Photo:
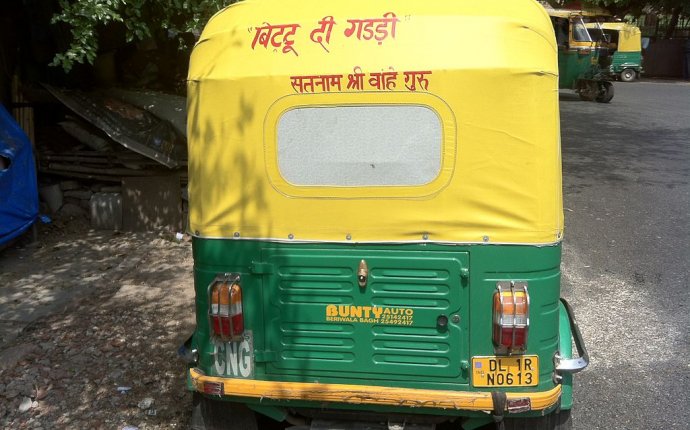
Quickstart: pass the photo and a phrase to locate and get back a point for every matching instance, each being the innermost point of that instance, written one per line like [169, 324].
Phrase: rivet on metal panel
[455, 318]
[291, 236]
[485, 238]
[236, 234]
[425, 236]
[348, 237]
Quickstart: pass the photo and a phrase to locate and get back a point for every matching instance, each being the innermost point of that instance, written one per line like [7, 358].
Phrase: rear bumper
[370, 395]
[574, 364]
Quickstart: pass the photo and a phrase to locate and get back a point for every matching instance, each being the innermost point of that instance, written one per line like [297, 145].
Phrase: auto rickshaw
[376, 210]
[583, 64]
[624, 42]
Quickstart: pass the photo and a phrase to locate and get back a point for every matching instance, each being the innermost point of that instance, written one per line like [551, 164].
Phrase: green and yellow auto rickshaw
[583, 64]
[624, 43]
[376, 209]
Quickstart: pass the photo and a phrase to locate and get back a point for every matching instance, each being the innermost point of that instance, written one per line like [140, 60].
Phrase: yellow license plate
[519, 371]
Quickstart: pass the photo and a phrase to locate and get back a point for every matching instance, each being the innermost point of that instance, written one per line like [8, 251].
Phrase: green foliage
[83, 17]
[672, 9]
[141, 19]
[633, 7]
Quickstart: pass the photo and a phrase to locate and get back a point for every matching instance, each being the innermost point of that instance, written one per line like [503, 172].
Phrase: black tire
[605, 92]
[210, 414]
[554, 421]
[586, 96]
[628, 75]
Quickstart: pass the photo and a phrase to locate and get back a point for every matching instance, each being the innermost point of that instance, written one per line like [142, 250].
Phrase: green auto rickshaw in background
[624, 43]
[377, 220]
[583, 64]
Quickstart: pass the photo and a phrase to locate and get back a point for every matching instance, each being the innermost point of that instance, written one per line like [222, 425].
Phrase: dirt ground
[90, 323]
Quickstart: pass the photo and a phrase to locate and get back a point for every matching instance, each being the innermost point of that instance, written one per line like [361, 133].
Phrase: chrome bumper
[572, 365]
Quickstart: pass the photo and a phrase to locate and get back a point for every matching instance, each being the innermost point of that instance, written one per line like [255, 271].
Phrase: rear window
[359, 146]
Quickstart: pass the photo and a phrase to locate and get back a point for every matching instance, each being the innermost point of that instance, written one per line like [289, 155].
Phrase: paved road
[626, 256]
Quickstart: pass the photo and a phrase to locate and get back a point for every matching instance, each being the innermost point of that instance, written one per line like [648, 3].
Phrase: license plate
[522, 371]
[235, 359]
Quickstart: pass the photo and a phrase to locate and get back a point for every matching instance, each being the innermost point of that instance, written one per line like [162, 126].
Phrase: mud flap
[499, 399]
[188, 354]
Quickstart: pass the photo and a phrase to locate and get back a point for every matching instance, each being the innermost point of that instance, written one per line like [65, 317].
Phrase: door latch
[362, 274]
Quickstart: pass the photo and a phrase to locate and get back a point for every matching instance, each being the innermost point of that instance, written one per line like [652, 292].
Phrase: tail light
[225, 308]
[511, 317]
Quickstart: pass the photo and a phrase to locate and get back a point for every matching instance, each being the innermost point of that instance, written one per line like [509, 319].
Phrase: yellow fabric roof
[567, 13]
[487, 69]
[629, 36]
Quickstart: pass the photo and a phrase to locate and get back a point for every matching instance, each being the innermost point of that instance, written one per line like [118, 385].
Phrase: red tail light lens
[511, 317]
[225, 308]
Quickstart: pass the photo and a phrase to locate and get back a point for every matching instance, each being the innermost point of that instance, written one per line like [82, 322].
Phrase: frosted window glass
[360, 146]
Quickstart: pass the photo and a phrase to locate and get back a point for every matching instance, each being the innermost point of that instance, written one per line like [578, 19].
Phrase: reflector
[213, 388]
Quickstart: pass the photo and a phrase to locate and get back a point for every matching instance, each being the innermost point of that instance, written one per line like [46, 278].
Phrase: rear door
[407, 323]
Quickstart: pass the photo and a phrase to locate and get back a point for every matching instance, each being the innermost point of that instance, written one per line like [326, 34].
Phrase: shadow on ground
[101, 316]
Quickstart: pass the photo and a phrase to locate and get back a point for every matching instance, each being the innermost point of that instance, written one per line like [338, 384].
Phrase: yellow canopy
[629, 36]
[478, 81]
[572, 13]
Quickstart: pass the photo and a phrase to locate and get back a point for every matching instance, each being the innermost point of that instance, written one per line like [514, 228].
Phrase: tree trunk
[675, 15]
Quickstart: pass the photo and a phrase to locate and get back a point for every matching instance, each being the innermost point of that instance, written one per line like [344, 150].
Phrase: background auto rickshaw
[582, 63]
[377, 220]
[623, 42]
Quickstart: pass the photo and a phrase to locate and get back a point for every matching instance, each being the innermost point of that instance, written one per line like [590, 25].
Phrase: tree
[620, 8]
[141, 19]
[675, 8]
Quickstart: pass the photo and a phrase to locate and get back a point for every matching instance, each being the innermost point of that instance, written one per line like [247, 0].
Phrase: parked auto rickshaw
[583, 64]
[377, 220]
[624, 43]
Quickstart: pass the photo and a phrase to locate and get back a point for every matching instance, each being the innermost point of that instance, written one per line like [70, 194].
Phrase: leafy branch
[141, 18]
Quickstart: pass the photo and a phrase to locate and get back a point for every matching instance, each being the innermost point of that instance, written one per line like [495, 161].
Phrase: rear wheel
[605, 92]
[628, 75]
[554, 421]
[586, 96]
[587, 89]
[210, 414]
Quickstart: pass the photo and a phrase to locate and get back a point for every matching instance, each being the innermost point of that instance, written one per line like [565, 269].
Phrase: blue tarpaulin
[18, 189]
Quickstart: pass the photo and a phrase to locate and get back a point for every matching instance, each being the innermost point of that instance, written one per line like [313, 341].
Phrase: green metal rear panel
[287, 287]
[305, 282]
[572, 65]
[626, 60]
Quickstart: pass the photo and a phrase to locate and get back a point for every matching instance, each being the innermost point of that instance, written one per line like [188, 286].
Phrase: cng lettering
[234, 359]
